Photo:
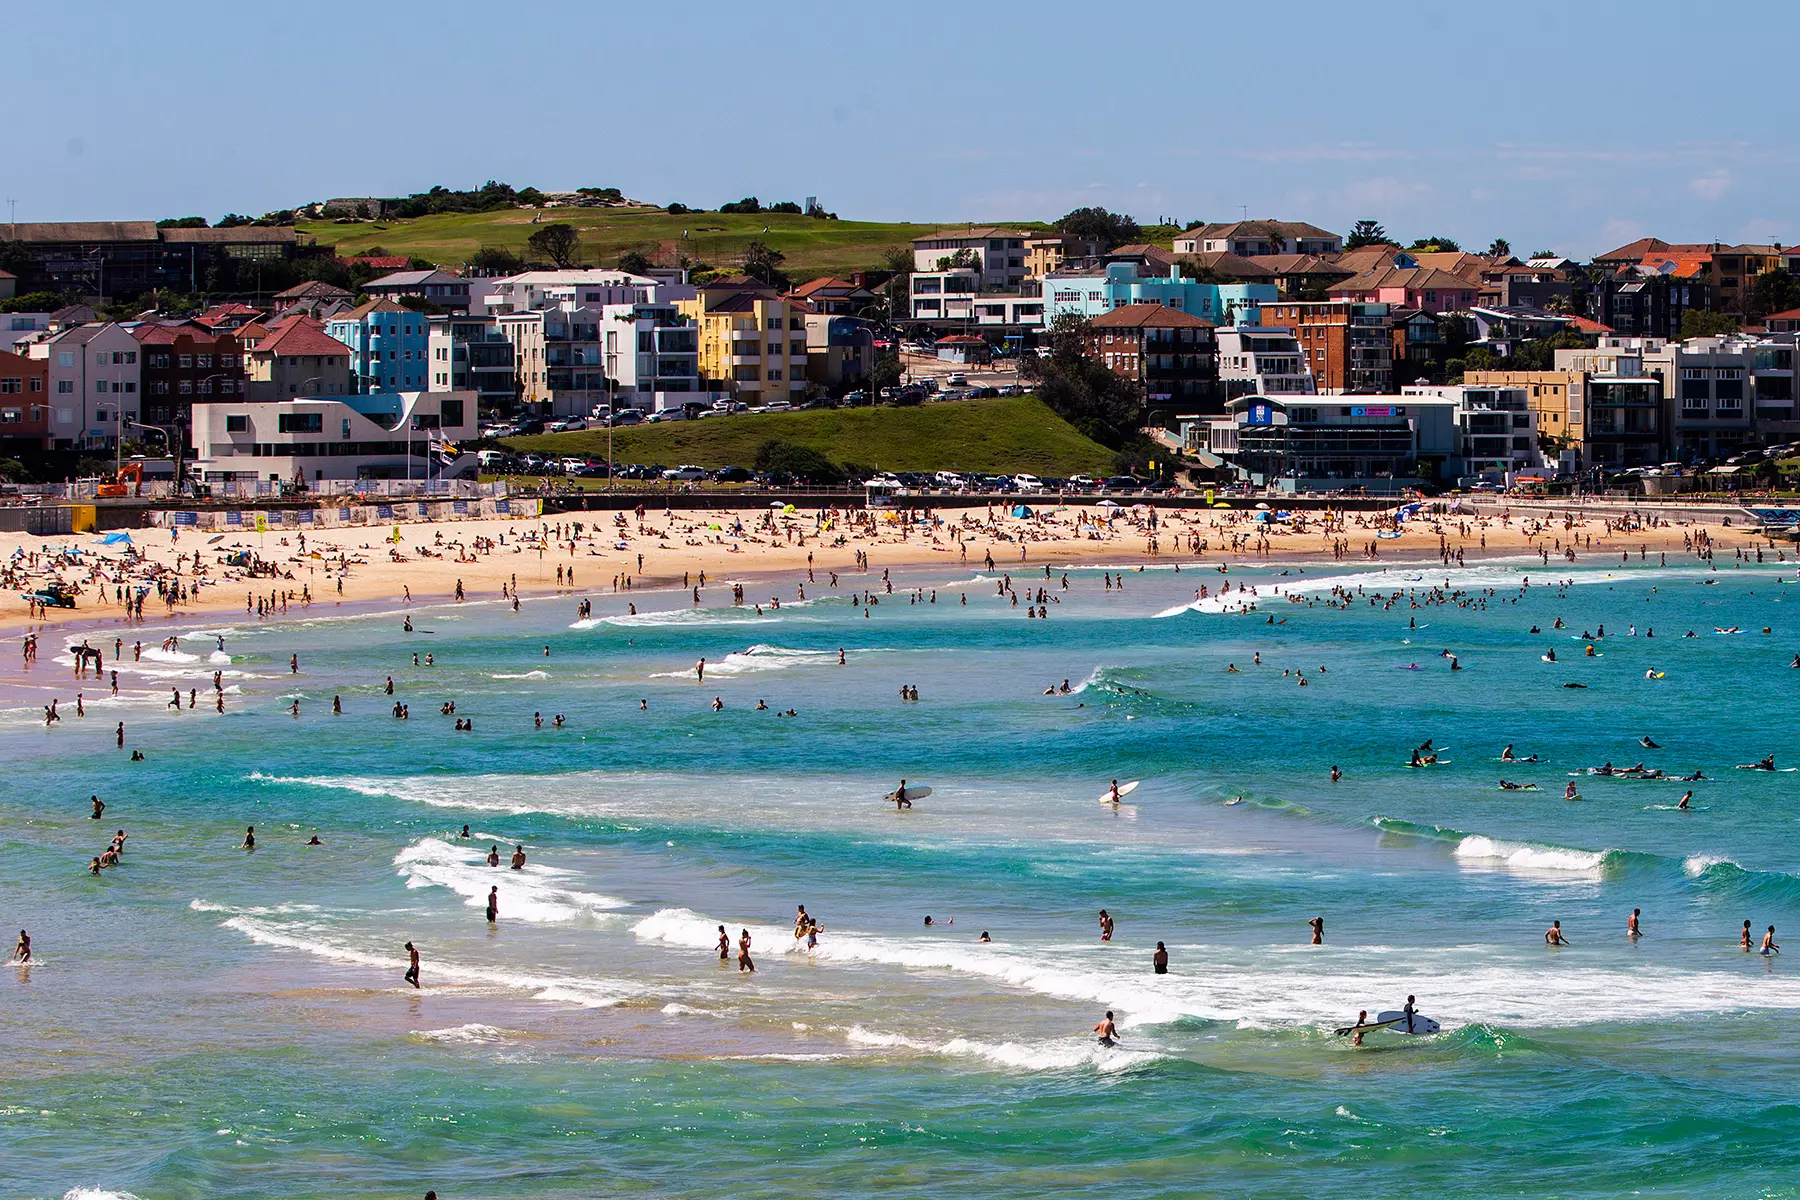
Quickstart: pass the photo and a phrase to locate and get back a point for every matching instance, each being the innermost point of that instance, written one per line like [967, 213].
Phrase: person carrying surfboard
[898, 796]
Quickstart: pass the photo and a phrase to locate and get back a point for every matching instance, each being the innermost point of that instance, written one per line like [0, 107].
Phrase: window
[65, 358]
[100, 386]
[774, 349]
[203, 361]
[300, 423]
[185, 361]
[65, 387]
[186, 387]
[11, 387]
[452, 412]
[237, 423]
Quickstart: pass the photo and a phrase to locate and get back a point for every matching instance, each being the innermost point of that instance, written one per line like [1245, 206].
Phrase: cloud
[1712, 185]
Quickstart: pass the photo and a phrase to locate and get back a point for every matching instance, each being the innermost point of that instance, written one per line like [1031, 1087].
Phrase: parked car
[688, 473]
[1083, 483]
[955, 394]
[1124, 483]
[1027, 483]
[1012, 389]
[490, 459]
[668, 414]
[731, 475]
[567, 424]
[627, 416]
[956, 379]
[859, 396]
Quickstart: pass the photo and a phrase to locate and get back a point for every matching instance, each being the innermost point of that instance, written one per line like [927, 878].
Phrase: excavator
[131, 474]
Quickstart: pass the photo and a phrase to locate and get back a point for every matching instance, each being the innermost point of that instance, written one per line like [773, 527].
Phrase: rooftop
[1148, 316]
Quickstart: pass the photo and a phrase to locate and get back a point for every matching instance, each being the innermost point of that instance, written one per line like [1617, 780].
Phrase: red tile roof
[1148, 316]
[381, 262]
[300, 336]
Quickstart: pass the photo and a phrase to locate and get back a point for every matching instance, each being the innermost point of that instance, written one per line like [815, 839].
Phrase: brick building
[24, 402]
[1173, 354]
[184, 362]
[1348, 344]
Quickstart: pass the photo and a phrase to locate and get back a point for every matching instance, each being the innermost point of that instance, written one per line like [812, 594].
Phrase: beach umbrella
[1108, 504]
[1261, 505]
[777, 504]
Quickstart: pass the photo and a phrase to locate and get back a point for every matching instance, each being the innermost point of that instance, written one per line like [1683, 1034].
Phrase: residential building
[752, 342]
[833, 296]
[1643, 301]
[1496, 429]
[1728, 272]
[305, 439]
[315, 299]
[558, 352]
[1149, 260]
[24, 403]
[1399, 281]
[1376, 444]
[1299, 276]
[1174, 355]
[1417, 342]
[222, 318]
[17, 328]
[379, 262]
[1513, 284]
[470, 352]
[1049, 252]
[9, 285]
[1221, 262]
[447, 292]
[581, 287]
[183, 363]
[1347, 343]
[840, 350]
[388, 346]
[1262, 360]
[1721, 391]
[1249, 238]
[1502, 329]
[955, 298]
[1624, 421]
[652, 351]
[1781, 322]
[92, 382]
[111, 259]
[1088, 293]
[1557, 400]
[997, 256]
[295, 357]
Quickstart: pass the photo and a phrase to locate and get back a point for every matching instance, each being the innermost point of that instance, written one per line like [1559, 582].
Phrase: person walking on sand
[412, 970]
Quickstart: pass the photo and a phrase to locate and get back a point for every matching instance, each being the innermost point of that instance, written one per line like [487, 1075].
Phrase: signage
[384, 512]
[185, 518]
[1260, 414]
[1377, 410]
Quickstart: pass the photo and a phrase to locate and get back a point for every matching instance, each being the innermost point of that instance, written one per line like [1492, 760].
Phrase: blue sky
[1573, 126]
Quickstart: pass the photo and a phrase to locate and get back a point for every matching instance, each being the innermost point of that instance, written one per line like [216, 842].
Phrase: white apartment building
[998, 254]
[1496, 428]
[650, 351]
[379, 435]
[581, 288]
[93, 385]
[1263, 361]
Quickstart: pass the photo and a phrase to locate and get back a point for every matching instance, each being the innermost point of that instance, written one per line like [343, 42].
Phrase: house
[222, 318]
[833, 296]
[752, 342]
[384, 435]
[388, 346]
[379, 262]
[1174, 355]
[441, 289]
[997, 256]
[577, 287]
[1728, 272]
[1346, 342]
[296, 357]
[183, 363]
[1299, 276]
[1522, 285]
[840, 350]
[1088, 292]
[92, 382]
[24, 402]
[1502, 329]
[1428, 289]
[314, 298]
[1149, 259]
[1250, 238]
[470, 353]
[1259, 360]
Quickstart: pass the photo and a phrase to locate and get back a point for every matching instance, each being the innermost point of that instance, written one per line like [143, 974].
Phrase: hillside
[1004, 435]
[813, 247]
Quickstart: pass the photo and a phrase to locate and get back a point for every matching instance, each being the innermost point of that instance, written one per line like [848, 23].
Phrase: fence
[332, 516]
[162, 489]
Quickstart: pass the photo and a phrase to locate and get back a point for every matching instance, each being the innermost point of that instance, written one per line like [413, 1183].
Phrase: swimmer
[1109, 1032]
[1744, 938]
[314, 839]
[518, 858]
[465, 832]
[744, 961]
[1686, 796]
[1335, 773]
[985, 938]
[1553, 936]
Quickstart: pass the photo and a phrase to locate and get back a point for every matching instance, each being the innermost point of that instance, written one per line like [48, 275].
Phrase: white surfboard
[1420, 1024]
[1125, 789]
[912, 793]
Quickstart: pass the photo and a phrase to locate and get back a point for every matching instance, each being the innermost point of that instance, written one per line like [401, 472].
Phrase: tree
[897, 291]
[675, 208]
[233, 220]
[801, 461]
[1699, 323]
[33, 302]
[1366, 233]
[1499, 248]
[764, 262]
[1772, 292]
[1543, 254]
[964, 259]
[886, 372]
[1199, 272]
[557, 242]
[1097, 224]
[1434, 245]
[496, 260]
[634, 262]
[749, 204]
[182, 223]
[1083, 391]
[785, 206]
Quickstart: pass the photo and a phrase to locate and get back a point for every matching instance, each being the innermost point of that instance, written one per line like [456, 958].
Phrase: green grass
[812, 247]
[1008, 434]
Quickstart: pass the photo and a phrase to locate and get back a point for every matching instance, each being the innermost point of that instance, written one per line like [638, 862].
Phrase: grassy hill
[1008, 434]
[813, 247]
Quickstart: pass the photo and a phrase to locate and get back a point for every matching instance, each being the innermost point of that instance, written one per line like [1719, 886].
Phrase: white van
[1028, 483]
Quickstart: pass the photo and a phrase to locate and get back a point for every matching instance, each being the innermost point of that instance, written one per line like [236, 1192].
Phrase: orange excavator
[131, 474]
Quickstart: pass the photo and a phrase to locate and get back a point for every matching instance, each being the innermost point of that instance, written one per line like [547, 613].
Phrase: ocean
[203, 1021]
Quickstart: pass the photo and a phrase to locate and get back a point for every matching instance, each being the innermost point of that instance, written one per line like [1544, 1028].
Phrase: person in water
[1317, 925]
[493, 904]
[518, 858]
[493, 858]
[1631, 925]
[1107, 1031]
[249, 842]
[412, 970]
[724, 945]
[1768, 943]
[1744, 938]
[744, 962]
[1106, 926]
[1553, 936]
[22, 949]
[1159, 962]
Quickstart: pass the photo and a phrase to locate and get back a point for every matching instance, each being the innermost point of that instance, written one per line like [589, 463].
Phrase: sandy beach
[588, 554]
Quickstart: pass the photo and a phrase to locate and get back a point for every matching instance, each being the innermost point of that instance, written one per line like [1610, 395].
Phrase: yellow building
[1048, 252]
[752, 342]
[1557, 397]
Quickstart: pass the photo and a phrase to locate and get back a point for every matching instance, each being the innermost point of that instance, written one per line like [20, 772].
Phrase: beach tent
[1019, 510]
[116, 539]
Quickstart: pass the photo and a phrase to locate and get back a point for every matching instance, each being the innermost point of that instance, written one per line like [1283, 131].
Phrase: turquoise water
[204, 1022]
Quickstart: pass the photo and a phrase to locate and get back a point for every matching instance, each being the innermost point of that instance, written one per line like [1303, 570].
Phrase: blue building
[1090, 293]
[389, 346]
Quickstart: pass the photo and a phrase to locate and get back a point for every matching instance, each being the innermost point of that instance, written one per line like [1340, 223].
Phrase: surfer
[801, 921]
[1159, 962]
[1631, 925]
[493, 904]
[1409, 1011]
[898, 796]
[412, 970]
[1317, 925]
[1112, 794]
[1109, 1032]
[1506, 755]
[1683, 802]
[1553, 936]
[1569, 793]
[1648, 743]
[1362, 1018]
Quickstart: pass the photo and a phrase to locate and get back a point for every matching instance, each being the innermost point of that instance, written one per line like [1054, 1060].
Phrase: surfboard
[912, 793]
[1421, 1025]
[1125, 789]
[1366, 1027]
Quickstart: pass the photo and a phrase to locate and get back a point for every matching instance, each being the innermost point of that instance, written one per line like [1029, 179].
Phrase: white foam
[1696, 865]
[522, 675]
[535, 893]
[94, 1193]
[585, 623]
[692, 616]
[759, 658]
[1062, 1054]
[1525, 856]
[470, 1034]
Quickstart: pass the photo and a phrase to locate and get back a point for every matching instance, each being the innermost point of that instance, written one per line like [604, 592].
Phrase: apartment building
[956, 298]
[1347, 343]
[651, 351]
[560, 358]
[1256, 360]
[1557, 400]
[1425, 288]
[581, 287]
[840, 350]
[183, 363]
[1090, 292]
[24, 402]
[1720, 389]
[1250, 238]
[388, 346]
[378, 435]
[1496, 429]
[1174, 355]
[448, 292]
[997, 256]
[295, 357]
[1729, 272]
[1641, 301]
[1052, 251]
[470, 352]
[752, 342]
[1379, 444]
[93, 372]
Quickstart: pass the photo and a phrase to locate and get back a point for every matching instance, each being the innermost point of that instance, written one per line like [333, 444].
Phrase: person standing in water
[518, 858]
[744, 962]
[1362, 1018]
[22, 951]
[724, 945]
[1744, 938]
[1553, 936]
[493, 858]
[412, 971]
[1768, 943]
[1631, 925]
[1107, 1031]
[1106, 926]
[99, 807]
[493, 904]
[1159, 962]
[249, 842]
[1317, 925]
